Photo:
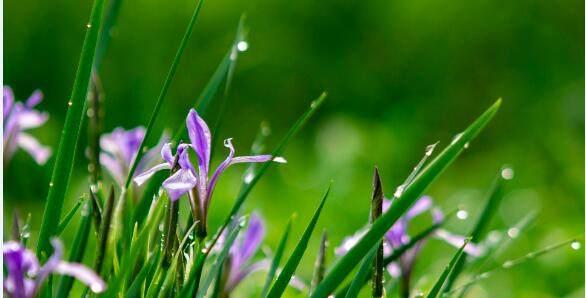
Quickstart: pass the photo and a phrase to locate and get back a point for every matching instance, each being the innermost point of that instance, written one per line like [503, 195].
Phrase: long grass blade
[361, 276]
[289, 269]
[345, 265]
[276, 259]
[439, 284]
[70, 134]
[78, 247]
[493, 199]
[136, 286]
[67, 219]
[163, 94]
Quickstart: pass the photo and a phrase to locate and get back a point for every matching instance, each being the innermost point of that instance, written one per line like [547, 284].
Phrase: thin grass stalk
[68, 142]
[376, 212]
[163, 94]
[320, 261]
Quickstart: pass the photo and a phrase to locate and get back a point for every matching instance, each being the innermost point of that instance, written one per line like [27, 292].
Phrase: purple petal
[223, 166]
[437, 215]
[184, 161]
[167, 153]
[458, 241]
[27, 119]
[151, 157]
[39, 152]
[34, 99]
[51, 264]
[237, 276]
[8, 101]
[257, 158]
[179, 183]
[251, 239]
[201, 139]
[423, 204]
[83, 274]
[397, 235]
[349, 242]
[113, 166]
[18, 262]
[143, 177]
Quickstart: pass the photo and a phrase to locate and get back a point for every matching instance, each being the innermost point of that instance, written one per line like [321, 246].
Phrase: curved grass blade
[493, 199]
[437, 287]
[345, 265]
[511, 264]
[361, 276]
[276, 259]
[67, 219]
[163, 94]
[289, 269]
[250, 183]
[70, 134]
[77, 248]
[217, 265]
[136, 287]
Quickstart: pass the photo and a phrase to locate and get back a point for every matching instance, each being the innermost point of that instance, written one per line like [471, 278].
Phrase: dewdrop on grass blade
[507, 173]
[462, 214]
[576, 245]
[513, 232]
[242, 46]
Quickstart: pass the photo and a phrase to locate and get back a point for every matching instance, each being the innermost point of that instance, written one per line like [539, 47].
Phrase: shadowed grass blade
[136, 286]
[289, 269]
[67, 219]
[217, 265]
[437, 287]
[163, 94]
[493, 199]
[77, 248]
[70, 134]
[361, 276]
[319, 269]
[276, 259]
[245, 190]
[346, 264]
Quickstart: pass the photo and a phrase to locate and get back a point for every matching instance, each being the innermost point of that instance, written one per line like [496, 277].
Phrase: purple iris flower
[25, 276]
[19, 117]
[239, 264]
[119, 149]
[188, 178]
[398, 236]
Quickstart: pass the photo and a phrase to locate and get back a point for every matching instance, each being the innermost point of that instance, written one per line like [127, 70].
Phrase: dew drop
[466, 145]
[507, 173]
[88, 26]
[576, 245]
[507, 264]
[50, 184]
[69, 103]
[313, 104]
[248, 178]
[494, 236]
[204, 250]
[462, 214]
[399, 191]
[513, 232]
[242, 46]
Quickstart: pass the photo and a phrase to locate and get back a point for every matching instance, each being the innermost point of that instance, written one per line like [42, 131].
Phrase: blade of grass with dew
[439, 284]
[129, 260]
[163, 93]
[193, 280]
[345, 264]
[213, 271]
[512, 263]
[291, 265]
[245, 190]
[78, 248]
[362, 275]
[493, 199]
[135, 288]
[67, 219]
[70, 134]
[277, 259]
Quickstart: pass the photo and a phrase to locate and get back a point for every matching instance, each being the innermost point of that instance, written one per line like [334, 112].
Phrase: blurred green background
[400, 75]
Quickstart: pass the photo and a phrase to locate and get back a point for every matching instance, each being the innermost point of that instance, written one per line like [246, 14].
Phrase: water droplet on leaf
[576, 245]
[513, 232]
[242, 46]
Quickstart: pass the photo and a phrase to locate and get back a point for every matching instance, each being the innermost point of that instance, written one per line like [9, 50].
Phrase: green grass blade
[77, 248]
[67, 219]
[217, 265]
[276, 259]
[345, 265]
[319, 269]
[136, 286]
[245, 190]
[289, 269]
[70, 134]
[437, 287]
[163, 94]
[110, 17]
[364, 272]
[493, 199]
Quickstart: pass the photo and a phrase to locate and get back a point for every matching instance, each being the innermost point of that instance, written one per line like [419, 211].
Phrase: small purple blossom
[187, 177]
[398, 236]
[239, 263]
[119, 149]
[25, 276]
[18, 118]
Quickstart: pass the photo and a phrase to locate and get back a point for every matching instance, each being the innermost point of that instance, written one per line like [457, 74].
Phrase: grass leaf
[67, 219]
[69, 136]
[289, 269]
[437, 287]
[361, 276]
[346, 264]
[276, 259]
